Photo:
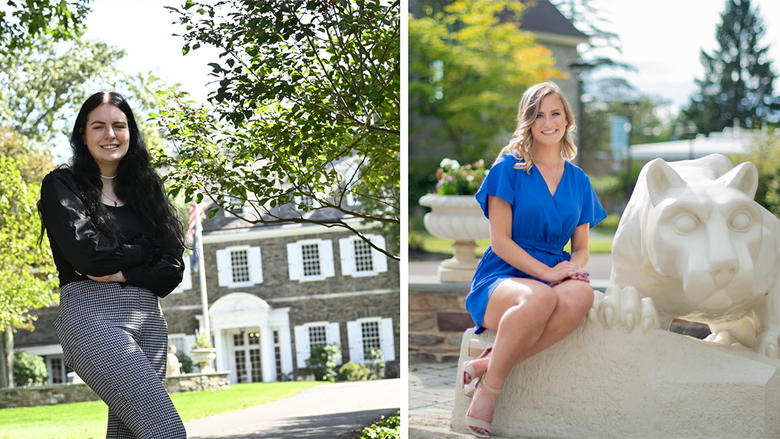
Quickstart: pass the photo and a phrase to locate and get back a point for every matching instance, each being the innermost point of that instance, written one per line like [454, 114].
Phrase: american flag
[195, 213]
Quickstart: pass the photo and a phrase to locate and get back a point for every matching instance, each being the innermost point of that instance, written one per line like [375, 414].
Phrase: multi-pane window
[241, 376]
[247, 357]
[57, 369]
[239, 263]
[317, 336]
[254, 358]
[360, 258]
[311, 259]
[370, 335]
[364, 260]
[312, 335]
[239, 266]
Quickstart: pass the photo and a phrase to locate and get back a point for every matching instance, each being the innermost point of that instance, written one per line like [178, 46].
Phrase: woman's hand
[565, 270]
[116, 277]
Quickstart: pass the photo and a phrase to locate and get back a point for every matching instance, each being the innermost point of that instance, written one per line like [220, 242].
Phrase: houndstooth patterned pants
[116, 339]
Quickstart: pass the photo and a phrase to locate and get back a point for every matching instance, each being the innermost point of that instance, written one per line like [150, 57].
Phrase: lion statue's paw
[767, 344]
[624, 309]
[723, 338]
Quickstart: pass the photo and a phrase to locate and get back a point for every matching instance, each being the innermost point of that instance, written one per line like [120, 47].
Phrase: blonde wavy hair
[521, 141]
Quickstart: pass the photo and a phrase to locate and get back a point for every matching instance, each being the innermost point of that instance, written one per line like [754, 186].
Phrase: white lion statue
[693, 243]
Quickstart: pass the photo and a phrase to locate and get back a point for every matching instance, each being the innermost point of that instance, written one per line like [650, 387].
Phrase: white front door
[245, 358]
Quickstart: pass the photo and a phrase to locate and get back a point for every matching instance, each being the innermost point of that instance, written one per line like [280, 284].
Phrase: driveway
[321, 412]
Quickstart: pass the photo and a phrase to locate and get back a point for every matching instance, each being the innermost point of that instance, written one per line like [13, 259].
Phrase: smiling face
[550, 124]
[107, 137]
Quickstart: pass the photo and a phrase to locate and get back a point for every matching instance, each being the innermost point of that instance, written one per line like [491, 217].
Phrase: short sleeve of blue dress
[542, 223]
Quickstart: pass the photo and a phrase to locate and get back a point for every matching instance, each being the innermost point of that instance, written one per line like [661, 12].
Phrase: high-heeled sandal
[472, 423]
[480, 349]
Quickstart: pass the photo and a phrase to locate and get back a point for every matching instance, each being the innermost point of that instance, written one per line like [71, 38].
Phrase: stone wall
[67, 393]
[437, 321]
[194, 382]
[46, 395]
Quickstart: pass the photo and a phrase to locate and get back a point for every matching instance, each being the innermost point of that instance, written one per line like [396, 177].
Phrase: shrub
[186, 362]
[29, 370]
[389, 428]
[322, 362]
[354, 372]
[378, 366]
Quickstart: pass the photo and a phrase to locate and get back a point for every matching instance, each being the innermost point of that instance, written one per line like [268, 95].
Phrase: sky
[661, 38]
[664, 38]
[145, 30]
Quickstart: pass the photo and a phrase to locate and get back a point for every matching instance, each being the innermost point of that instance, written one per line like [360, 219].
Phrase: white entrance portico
[251, 338]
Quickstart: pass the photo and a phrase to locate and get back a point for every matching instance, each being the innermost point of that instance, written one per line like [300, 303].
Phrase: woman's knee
[541, 303]
[576, 296]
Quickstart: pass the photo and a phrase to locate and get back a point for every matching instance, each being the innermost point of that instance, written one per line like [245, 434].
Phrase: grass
[87, 420]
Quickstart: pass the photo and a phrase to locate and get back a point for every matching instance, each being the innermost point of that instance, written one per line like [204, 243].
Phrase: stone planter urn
[203, 356]
[457, 217]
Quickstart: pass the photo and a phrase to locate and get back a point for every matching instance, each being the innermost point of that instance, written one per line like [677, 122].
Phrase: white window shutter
[333, 335]
[326, 258]
[355, 339]
[347, 253]
[224, 269]
[302, 350]
[387, 339]
[294, 261]
[255, 265]
[378, 258]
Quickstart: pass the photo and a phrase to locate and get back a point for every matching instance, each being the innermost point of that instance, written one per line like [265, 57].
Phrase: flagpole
[204, 297]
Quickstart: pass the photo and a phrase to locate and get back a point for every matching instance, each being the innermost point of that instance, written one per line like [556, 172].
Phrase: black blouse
[78, 246]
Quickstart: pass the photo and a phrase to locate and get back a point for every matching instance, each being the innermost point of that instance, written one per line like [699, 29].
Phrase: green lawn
[87, 420]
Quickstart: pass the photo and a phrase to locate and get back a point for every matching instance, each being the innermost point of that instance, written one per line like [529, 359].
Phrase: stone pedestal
[457, 217]
[600, 383]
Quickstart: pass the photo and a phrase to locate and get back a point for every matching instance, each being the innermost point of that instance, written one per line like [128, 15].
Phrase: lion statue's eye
[686, 223]
[740, 222]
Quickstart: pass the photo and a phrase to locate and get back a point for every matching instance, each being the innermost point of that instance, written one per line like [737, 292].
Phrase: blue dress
[542, 224]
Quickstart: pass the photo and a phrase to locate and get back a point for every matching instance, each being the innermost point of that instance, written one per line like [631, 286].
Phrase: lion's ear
[661, 178]
[744, 178]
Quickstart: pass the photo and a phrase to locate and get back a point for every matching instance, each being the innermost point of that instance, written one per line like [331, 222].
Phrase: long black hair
[136, 182]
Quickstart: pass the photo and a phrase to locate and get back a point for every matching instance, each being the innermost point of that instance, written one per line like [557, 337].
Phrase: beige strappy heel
[480, 349]
[472, 423]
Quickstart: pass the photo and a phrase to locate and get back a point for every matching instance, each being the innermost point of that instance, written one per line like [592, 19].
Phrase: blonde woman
[527, 288]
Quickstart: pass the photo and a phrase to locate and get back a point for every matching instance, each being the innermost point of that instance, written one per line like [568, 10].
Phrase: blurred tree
[307, 110]
[26, 269]
[737, 86]
[21, 22]
[765, 154]
[468, 68]
[42, 87]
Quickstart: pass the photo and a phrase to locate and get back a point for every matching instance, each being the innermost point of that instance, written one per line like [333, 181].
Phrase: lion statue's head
[693, 238]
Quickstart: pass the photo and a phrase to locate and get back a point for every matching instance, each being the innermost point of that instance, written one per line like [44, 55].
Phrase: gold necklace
[555, 181]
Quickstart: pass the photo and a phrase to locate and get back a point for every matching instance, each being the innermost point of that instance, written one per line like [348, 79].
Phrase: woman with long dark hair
[117, 242]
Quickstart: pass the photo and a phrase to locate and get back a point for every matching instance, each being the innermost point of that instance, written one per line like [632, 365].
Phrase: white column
[285, 349]
[221, 347]
[267, 354]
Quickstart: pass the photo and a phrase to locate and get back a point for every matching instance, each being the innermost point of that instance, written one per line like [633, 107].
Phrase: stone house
[274, 292]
